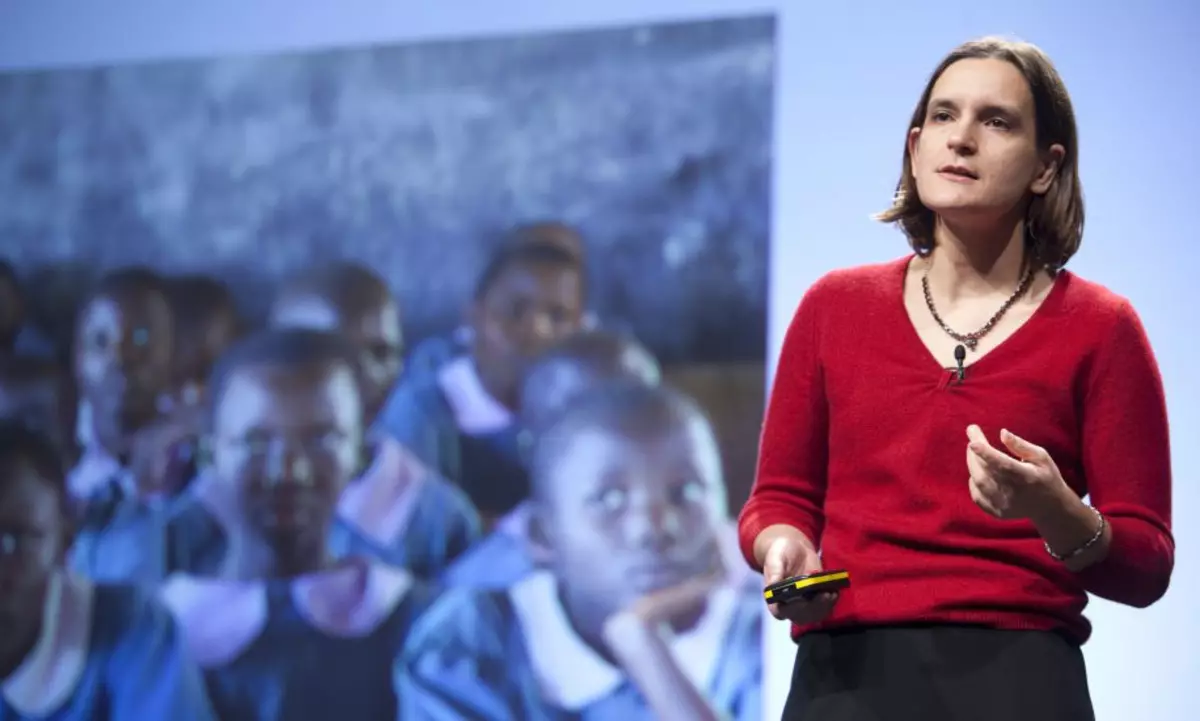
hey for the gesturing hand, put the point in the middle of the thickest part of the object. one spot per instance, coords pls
(1021, 485)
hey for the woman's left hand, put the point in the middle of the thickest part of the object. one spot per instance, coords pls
(1026, 484)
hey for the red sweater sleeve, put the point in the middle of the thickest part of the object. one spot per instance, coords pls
(789, 486)
(1127, 466)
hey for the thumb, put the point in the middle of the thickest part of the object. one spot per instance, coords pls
(811, 564)
(1021, 448)
(776, 561)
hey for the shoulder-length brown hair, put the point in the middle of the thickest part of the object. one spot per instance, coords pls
(1054, 221)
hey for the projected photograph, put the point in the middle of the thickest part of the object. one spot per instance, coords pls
(461, 343)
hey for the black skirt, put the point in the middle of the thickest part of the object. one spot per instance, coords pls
(938, 673)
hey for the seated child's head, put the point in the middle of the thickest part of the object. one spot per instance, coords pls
(628, 498)
(41, 394)
(287, 432)
(354, 301)
(124, 342)
(553, 233)
(34, 535)
(206, 324)
(12, 307)
(530, 296)
(578, 363)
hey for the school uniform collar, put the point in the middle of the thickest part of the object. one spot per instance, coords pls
(572, 675)
(83, 425)
(96, 467)
(221, 618)
(476, 412)
(515, 523)
(380, 503)
(50, 674)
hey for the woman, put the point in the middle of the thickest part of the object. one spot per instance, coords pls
(937, 422)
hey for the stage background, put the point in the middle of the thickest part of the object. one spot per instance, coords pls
(849, 74)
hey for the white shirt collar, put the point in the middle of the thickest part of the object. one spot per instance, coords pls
(346, 602)
(83, 425)
(95, 468)
(49, 675)
(380, 503)
(573, 676)
(475, 410)
(515, 523)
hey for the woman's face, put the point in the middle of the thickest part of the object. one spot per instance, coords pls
(976, 157)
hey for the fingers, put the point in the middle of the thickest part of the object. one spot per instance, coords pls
(975, 435)
(977, 443)
(780, 561)
(804, 612)
(1022, 448)
(772, 569)
(975, 464)
(995, 461)
(987, 496)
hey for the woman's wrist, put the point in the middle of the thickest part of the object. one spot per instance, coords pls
(1074, 532)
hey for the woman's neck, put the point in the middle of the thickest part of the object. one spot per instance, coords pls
(970, 263)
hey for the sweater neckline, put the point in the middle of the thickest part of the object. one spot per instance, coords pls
(1048, 308)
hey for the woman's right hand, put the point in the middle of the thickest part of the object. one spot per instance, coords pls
(790, 554)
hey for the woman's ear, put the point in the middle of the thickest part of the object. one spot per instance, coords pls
(1051, 165)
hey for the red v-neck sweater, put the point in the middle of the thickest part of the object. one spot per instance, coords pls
(864, 451)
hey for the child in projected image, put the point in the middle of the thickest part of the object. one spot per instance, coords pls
(460, 421)
(71, 650)
(284, 632)
(430, 355)
(40, 394)
(581, 362)
(635, 616)
(206, 324)
(131, 464)
(398, 509)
